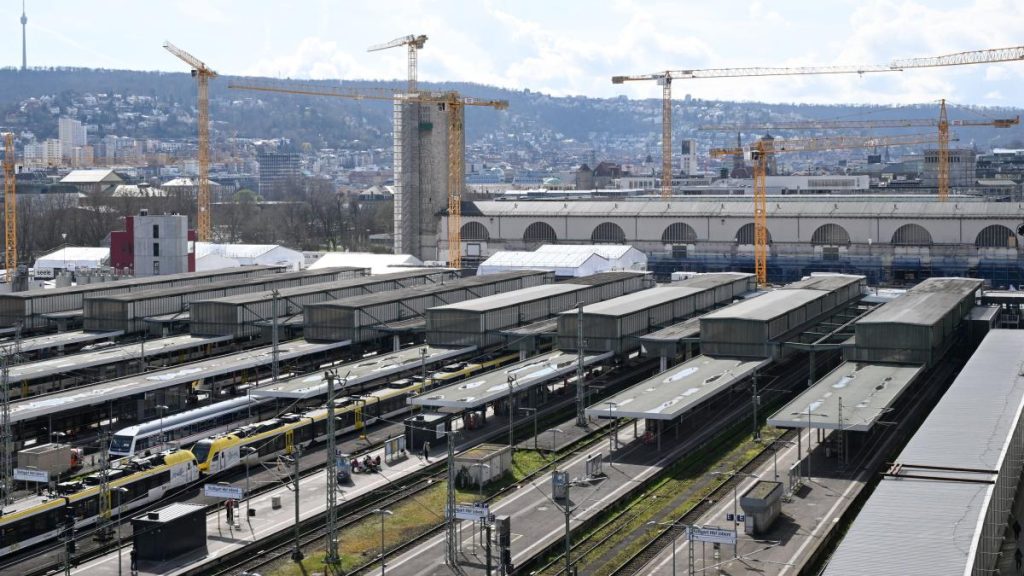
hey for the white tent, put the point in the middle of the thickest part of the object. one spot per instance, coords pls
(619, 256)
(214, 261)
(253, 254)
(567, 260)
(73, 258)
(377, 263)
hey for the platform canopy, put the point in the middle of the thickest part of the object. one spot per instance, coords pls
(672, 393)
(866, 391)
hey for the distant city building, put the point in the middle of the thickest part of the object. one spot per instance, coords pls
(961, 168)
(277, 170)
(93, 181)
(72, 134)
(584, 178)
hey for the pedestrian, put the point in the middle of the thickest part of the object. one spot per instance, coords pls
(426, 450)
(230, 505)
(134, 566)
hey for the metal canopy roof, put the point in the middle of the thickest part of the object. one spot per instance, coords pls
(866, 390)
(112, 355)
(675, 333)
(826, 282)
(637, 301)
(925, 304)
(426, 290)
(672, 393)
(364, 370)
(326, 287)
(767, 306)
(40, 406)
(513, 298)
(64, 339)
(941, 527)
(479, 390)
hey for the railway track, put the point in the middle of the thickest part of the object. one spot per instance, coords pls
(281, 548)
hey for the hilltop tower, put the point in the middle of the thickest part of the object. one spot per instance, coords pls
(24, 50)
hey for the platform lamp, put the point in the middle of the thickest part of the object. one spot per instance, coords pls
(382, 512)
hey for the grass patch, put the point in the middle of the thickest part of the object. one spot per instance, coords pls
(413, 517)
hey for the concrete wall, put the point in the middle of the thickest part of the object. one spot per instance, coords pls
(172, 239)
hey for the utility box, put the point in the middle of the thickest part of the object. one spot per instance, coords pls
(482, 464)
(54, 458)
(170, 532)
(427, 427)
(762, 504)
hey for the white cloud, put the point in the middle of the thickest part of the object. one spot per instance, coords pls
(994, 95)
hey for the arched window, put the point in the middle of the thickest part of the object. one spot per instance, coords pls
(911, 235)
(679, 233)
(745, 235)
(475, 232)
(539, 233)
(996, 236)
(608, 233)
(830, 235)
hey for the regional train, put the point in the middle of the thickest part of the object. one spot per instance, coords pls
(38, 519)
(270, 438)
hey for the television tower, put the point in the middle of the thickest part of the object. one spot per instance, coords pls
(24, 20)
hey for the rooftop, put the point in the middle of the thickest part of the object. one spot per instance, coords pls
(865, 390)
(767, 306)
(924, 304)
(676, 391)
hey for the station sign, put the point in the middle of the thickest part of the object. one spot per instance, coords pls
(476, 512)
(223, 491)
(712, 534)
(31, 475)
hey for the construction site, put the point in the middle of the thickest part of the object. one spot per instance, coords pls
(567, 381)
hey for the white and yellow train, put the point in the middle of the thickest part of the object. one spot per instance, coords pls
(37, 519)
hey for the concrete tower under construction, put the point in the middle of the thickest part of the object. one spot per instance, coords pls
(421, 178)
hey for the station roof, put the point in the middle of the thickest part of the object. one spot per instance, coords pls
(637, 301)
(479, 390)
(39, 406)
(64, 339)
(538, 328)
(866, 390)
(512, 298)
(829, 207)
(672, 393)
(221, 284)
(714, 279)
(767, 306)
(966, 440)
(133, 283)
(675, 333)
(426, 290)
(825, 282)
(111, 355)
(263, 296)
(360, 371)
(924, 304)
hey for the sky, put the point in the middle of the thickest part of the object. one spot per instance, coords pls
(560, 47)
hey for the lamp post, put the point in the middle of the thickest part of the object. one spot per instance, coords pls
(162, 410)
(652, 525)
(534, 412)
(511, 415)
(612, 432)
(121, 491)
(775, 455)
(382, 512)
(735, 502)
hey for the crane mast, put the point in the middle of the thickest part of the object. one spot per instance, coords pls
(10, 209)
(413, 43)
(202, 73)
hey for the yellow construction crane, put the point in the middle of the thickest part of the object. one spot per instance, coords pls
(451, 102)
(202, 73)
(665, 80)
(759, 154)
(942, 123)
(10, 209)
(414, 43)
